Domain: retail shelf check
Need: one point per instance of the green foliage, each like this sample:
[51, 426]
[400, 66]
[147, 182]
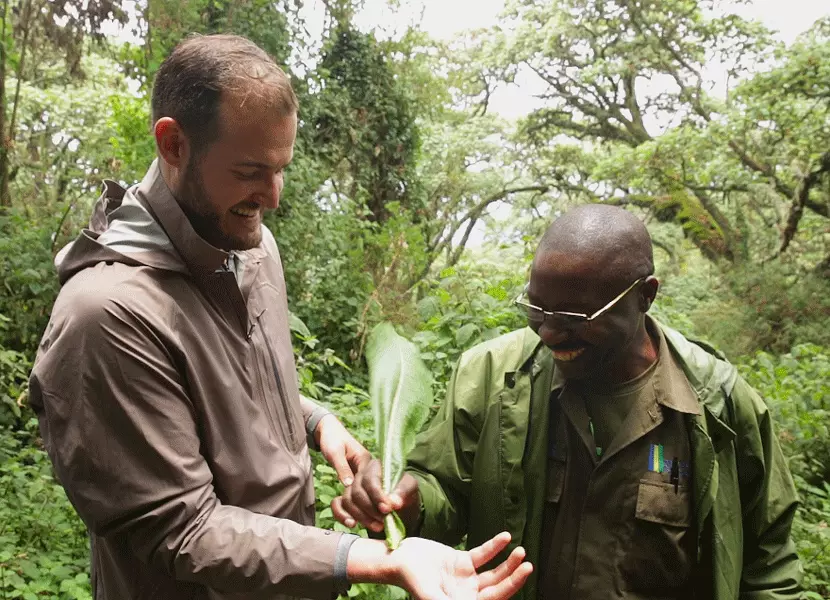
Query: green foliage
[465, 305]
[796, 386]
[44, 550]
[14, 372]
[28, 282]
[364, 126]
[132, 145]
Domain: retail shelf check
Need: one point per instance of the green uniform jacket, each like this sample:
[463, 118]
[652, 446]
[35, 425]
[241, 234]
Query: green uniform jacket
[481, 465]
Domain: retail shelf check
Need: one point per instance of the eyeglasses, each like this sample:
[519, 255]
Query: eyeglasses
[563, 318]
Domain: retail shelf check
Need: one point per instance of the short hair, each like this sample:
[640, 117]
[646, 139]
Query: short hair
[202, 69]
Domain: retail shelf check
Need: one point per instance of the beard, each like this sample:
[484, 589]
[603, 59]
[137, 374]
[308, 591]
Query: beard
[197, 206]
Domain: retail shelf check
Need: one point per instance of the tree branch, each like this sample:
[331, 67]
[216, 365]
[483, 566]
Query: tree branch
[800, 201]
[638, 127]
[471, 215]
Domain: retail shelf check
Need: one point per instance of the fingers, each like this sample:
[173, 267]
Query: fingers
[357, 455]
[343, 468]
[405, 493]
[505, 569]
[483, 554]
[361, 499]
[374, 500]
[509, 586]
[341, 514]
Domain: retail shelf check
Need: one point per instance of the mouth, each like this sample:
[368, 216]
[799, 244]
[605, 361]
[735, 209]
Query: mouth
[245, 212]
[568, 355]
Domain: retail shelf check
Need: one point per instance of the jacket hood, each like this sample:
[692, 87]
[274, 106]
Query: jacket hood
[142, 226]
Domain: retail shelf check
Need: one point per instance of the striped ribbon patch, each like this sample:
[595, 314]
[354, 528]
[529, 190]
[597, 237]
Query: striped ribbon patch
[655, 458]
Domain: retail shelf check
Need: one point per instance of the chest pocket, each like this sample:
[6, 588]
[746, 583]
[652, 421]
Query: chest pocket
[659, 502]
[659, 553]
[275, 361]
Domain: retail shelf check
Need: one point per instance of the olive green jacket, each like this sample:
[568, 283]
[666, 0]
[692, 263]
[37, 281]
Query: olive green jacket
[481, 465]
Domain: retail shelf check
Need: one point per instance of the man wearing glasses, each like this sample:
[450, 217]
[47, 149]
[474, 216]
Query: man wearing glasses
[629, 461]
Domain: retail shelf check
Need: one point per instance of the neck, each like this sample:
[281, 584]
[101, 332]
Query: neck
[635, 358]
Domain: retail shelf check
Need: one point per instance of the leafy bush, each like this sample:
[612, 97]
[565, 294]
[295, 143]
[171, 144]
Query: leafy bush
[796, 386]
[465, 306]
[28, 283]
[44, 549]
[14, 369]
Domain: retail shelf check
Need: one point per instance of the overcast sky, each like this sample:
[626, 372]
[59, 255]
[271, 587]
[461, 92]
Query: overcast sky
[444, 19]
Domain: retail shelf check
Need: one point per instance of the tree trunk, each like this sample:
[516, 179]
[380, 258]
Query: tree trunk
[26, 27]
[5, 200]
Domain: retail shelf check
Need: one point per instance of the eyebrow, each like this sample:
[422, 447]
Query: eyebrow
[252, 164]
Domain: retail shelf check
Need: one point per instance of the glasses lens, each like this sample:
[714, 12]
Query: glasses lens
[534, 315]
[564, 321]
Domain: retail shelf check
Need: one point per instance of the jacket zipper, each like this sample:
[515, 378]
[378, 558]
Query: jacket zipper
[280, 387]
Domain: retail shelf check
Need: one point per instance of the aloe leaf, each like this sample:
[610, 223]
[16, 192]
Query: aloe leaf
[400, 388]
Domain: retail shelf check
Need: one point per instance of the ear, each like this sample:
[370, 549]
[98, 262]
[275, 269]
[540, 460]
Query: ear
[648, 293]
[171, 142]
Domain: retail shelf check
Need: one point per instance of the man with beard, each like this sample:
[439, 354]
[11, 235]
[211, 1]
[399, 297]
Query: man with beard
[630, 461]
[165, 384]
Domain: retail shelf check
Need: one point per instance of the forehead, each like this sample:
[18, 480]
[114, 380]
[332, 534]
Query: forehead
[252, 126]
[560, 277]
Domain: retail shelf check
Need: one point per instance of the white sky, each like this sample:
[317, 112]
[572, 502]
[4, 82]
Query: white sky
[444, 19]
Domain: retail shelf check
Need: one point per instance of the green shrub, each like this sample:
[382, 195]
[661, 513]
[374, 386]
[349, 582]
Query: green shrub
[28, 281]
[465, 306]
[44, 549]
[796, 386]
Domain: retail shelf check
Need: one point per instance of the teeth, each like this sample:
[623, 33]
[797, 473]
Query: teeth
[567, 355]
[245, 212]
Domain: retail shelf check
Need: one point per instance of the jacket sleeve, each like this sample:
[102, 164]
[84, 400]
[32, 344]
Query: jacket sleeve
[124, 440]
[312, 413]
[442, 460]
[771, 567]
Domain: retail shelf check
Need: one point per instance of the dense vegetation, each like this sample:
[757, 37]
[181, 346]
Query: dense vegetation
[400, 161]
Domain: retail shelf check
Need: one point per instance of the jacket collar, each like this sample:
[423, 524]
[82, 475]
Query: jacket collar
[199, 256]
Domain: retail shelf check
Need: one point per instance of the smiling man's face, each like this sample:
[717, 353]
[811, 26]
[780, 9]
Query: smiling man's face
[601, 348]
[226, 189]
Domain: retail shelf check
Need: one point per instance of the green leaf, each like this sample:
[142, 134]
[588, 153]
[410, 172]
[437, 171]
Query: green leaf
[463, 335]
[400, 388]
[295, 323]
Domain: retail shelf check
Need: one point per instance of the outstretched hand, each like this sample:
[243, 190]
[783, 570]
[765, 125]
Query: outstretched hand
[433, 571]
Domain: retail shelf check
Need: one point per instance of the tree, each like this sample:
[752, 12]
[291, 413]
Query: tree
[628, 81]
[36, 34]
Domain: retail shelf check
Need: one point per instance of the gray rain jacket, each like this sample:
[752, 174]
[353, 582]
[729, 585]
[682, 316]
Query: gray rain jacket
[167, 396]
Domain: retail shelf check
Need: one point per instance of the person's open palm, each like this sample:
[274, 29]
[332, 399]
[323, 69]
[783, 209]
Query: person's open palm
[433, 571]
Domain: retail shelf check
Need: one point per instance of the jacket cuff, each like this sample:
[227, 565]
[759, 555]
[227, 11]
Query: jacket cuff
[318, 413]
[341, 561]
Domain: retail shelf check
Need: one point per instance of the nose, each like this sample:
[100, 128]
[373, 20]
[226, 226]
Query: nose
[551, 334]
[275, 185]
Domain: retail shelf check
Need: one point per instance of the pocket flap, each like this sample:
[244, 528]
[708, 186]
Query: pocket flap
[659, 503]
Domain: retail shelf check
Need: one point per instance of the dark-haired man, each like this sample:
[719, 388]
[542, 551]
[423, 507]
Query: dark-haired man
[628, 460]
[165, 384]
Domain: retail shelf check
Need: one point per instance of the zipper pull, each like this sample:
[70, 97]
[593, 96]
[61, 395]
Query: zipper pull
[251, 331]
